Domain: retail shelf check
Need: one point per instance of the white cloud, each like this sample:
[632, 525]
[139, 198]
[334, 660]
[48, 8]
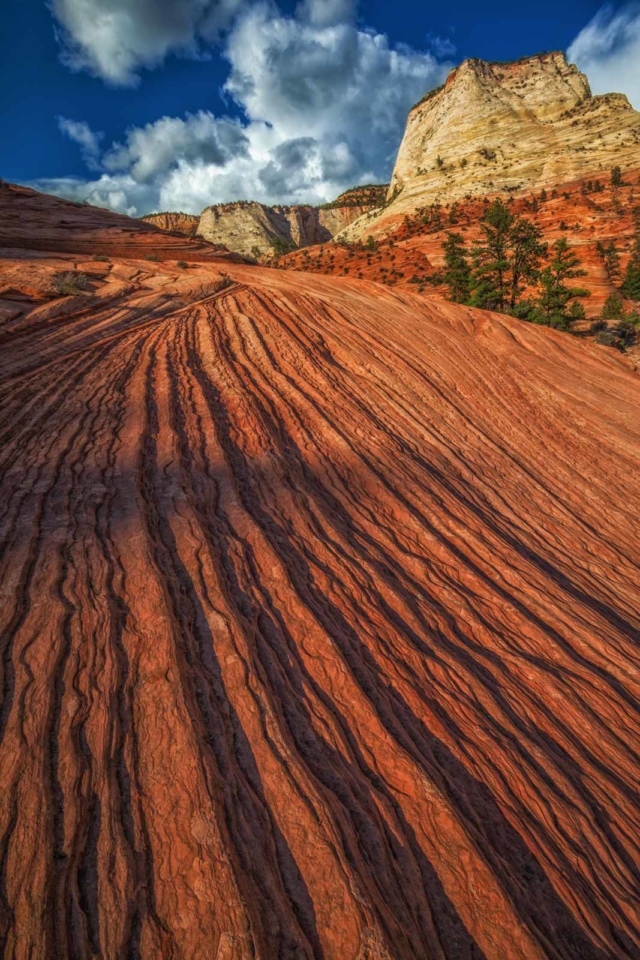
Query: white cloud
[81, 133]
[608, 51]
[114, 39]
[121, 194]
[326, 13]
[156, 148]
[324, 105]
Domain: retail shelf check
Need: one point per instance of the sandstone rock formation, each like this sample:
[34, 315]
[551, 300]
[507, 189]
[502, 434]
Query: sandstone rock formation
[185, 223]
[253, 229]
[319, 622]
[31, 219]
[496, 127]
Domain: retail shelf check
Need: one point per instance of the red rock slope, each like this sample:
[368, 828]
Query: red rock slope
[319, 627]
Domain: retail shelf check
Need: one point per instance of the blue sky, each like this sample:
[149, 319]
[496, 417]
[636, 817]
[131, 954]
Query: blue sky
[188, 102]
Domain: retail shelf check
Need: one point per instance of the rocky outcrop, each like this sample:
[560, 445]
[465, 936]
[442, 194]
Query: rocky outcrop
[506, 127]
[590, 213]
[319, 623]
[184, 223]
[254, 229]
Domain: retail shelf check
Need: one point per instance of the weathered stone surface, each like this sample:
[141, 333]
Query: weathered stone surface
[185, 223]
[253, 228]
[319, 622]
[496, 127]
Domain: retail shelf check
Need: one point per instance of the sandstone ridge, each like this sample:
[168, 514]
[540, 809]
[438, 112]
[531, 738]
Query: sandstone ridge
[506, 127]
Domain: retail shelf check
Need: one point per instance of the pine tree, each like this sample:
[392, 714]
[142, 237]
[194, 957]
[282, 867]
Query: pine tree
[631, 285]
[490, 259]
[613, 308]
[611, 259]
[556, 295]
[526, 250]
[457, 275]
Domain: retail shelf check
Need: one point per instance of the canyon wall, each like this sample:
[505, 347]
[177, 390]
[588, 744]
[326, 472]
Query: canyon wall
[255, 229]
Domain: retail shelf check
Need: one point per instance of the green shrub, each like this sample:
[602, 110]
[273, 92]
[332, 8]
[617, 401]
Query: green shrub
[182, 264]
[70, 283]
[613, 308]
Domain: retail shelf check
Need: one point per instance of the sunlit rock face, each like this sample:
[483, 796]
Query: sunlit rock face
[506, 127]
[255, 229]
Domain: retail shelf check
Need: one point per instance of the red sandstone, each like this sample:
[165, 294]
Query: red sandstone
[319, 634]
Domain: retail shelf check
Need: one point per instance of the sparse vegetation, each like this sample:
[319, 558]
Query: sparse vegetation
[610, 258]
[506, 264]
[631, 285]
[70, 283]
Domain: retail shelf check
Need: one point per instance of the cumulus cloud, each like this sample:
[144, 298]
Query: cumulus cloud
[608, 51]
[114, 39]
[152, 150]
[323, 105]
[121, 194]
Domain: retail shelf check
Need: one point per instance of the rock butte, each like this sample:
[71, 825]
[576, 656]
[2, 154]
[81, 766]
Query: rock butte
[320, 622]
[252, 228]
[496, 127]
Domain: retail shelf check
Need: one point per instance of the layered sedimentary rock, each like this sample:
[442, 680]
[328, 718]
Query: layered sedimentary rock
[319, 624]
[31, 220]
[496, 127]
[254, 229]
[185, 223]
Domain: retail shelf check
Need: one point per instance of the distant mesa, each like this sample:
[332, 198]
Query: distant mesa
[257, 230]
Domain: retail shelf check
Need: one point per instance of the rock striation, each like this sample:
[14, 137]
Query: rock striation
[185, 223]
[496, 127]
[319, 622]
[31, 220]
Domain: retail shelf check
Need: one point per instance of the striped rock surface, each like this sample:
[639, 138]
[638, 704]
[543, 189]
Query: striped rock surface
[319, 626]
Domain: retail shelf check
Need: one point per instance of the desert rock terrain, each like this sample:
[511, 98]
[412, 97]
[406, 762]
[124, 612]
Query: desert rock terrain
[411, 252]
[319, 633]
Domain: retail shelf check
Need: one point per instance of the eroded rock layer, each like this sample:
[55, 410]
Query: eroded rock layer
[319, 633]
[184, 223]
